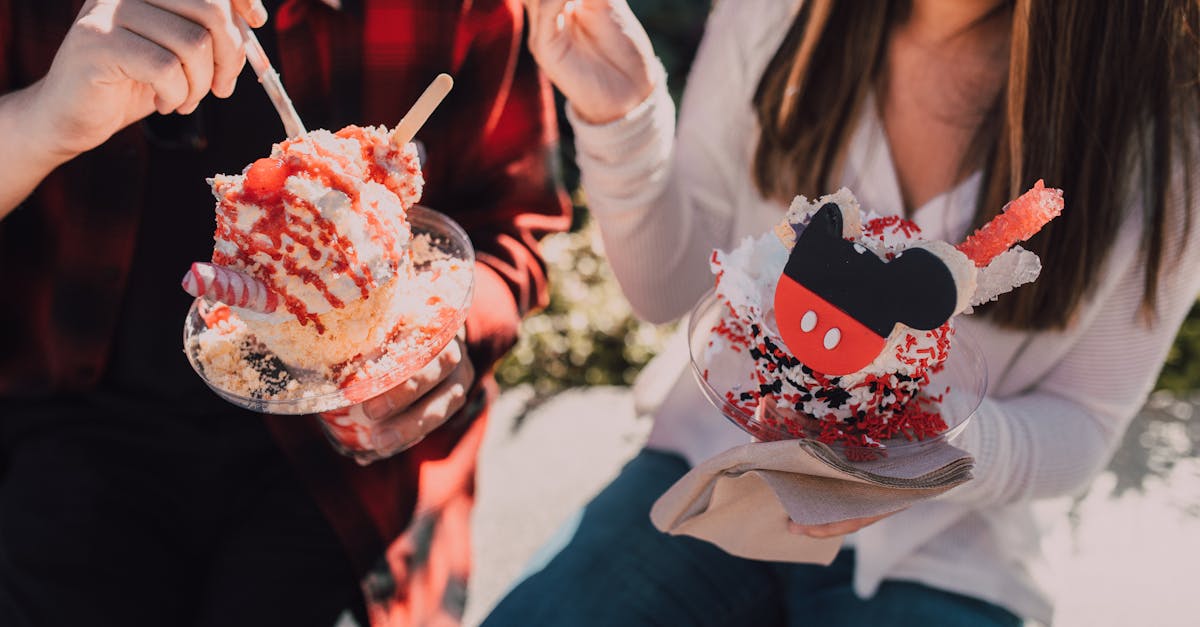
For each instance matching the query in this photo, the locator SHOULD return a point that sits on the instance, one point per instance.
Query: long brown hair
(1093, 90)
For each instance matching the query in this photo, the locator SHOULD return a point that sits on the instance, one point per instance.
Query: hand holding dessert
(596, 52)
(401, 417)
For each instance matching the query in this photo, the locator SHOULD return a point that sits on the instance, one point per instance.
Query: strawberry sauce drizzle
(348, 186)
(379, 174)
(264, 187)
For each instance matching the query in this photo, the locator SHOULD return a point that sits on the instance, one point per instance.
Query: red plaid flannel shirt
(490, 162)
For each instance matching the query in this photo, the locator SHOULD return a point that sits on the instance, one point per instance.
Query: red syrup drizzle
(264, 187)
(379, 174)
(215, 316)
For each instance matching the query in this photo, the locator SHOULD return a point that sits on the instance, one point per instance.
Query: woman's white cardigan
(665, 195)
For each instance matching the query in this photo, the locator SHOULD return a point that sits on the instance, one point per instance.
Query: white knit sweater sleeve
(1053, 440)
(662, 202)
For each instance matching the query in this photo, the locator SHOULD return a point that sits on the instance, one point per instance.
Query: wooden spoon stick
(420, 112)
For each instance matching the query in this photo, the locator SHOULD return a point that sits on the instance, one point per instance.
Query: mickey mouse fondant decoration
(837, 302)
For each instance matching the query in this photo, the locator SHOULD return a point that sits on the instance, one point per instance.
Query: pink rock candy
(1018, 222)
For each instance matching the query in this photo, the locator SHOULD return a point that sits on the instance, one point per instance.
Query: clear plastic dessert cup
(960, 385)
(235, 365)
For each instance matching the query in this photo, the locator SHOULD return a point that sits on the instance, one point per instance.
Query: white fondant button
(809, 321)
(832, 337)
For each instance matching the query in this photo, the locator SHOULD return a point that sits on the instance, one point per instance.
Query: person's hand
(833, 530)
(596, 52)
(124, 59)
(401, 417)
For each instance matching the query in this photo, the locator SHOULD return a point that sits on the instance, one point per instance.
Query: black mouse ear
(922, 288)
(828, 219)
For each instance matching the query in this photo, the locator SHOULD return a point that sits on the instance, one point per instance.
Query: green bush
(588, 334)
(1181, 372)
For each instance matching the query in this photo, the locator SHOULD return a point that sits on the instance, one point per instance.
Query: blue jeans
(618, 570)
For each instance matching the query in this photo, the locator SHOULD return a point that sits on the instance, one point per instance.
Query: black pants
(133, 517)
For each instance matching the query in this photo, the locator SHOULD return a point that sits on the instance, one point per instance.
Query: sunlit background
(1124, 552)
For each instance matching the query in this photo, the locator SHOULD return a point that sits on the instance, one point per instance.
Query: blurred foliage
(588, 336)
(1181, 373)
(675, 27)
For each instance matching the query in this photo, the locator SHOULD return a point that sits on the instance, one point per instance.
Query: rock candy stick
(1019, 221)
(230, 287)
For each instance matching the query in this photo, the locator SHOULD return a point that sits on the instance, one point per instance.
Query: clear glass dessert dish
(239, 368)
(955, 392)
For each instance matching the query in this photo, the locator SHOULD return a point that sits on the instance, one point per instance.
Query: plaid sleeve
(6, 38)
(504, 186)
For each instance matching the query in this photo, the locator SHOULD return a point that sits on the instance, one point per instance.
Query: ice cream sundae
(846, 315)
(318, 280)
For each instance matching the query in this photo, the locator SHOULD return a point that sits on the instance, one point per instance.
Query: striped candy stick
(1019, 221)
(231, 287)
